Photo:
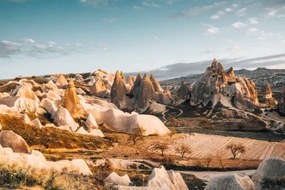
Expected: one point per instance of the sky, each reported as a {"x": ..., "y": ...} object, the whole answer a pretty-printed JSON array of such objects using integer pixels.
[{"x": 40, "y": 37}]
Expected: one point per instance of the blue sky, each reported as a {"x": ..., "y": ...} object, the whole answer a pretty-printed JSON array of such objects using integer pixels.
[{"x": 62, "y": 36}]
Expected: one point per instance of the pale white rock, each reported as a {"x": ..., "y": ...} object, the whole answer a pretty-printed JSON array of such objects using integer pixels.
[
  {"x": 270, "y": 168},
  {"x": 115, "y": 179},
  {"x": 9, "y": 111},
  {"x": 26, "y": 118},
  {"x": 233, "y": 182},
  {"x": 96, "y": 132},
  {"x": 49, "y": 106},
  {"x": 51, "y": 85},
  {"x": 61, "y": 81},
  {"x": 62, "y": 117},
  {"x": 26, "y": 105},
  {"x": 91, "y": 122},
  {"x": 117, "y": 120},
  {"x": 159, "y": 178},
  {"x": 37, "y": 123}
]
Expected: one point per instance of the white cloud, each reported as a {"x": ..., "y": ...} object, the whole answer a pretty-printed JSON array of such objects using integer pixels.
[
  {"x": 241, "y": 12},
  {"x": 206, "y": 50},
  {"x": 276, "y": 12},
  {"x": 260, "y": 34},
  {"x": 227, "y": 10},
  {"x": 209, "y": 29},
  {"x": 96, "y": 2},
  {"x": 194, "y": 11},
  {"x": 215, "y": 17},
  {"x": 239, "y": 25},
  {"x": 30, "y": 47},
  {"x": 253, "y": 20},
  {"x": 110, "y": 20}
]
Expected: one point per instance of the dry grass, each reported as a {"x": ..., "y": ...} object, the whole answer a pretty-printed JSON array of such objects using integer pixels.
[{"x": 50, "y": 137}]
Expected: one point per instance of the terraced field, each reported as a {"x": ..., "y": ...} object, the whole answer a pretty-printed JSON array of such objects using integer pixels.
[{"x": 203, "y": 145}]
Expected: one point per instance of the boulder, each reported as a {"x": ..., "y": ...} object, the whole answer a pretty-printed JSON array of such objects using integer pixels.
[
  {"x": 91, "y": 122},
  {"x": 159, "y": 178},
  {"x": 37, "y": 123},
  {"x": 11, "y": 140},
  {"x": 61, "y": 81},
  {"x": 49, "y": 106},
  {"x": 271, "y": 169},
  {"x": 62, "y": 117},
  {"x": 233, "y": 182},
  {"x": 114, "y": 179}
]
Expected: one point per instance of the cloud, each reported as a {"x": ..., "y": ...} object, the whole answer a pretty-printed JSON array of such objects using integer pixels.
[
  {"x": 221, "y": 13},
  {"x": 153, "y": 4},
  {"x": 194, "y": 11},
  {"x": 206, "y": 50},
  {"x": 278, "y": 12},
  {"x": 260, "y": 34},
  {"x": 14, "y": 1},
  {"x": 209, "y": 29},
  {"x": 239, "y": 25},
  {"x": 253, "y": 20},
  {"x": 30, "y": 47},
  {"x": 241, "y": 12},
  {"x": 97, "y": 3},
  {"x": 110, "y": 20}
]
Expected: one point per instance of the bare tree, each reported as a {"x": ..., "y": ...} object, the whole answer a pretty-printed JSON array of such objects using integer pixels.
[
  {"x": 183, "y": 149},
  {"x": 159, "y": 146},
  {"x": 208, "y": 160},
  {"x": 135, "y": 136},
  {"x": 235, "y": 149},
  {"x": 219, "y": 156}
]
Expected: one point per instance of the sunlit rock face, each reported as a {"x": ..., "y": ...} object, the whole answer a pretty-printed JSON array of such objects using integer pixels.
[
  {"x": 119, "y": 91},
  {"x": 9, "y": 139},
  {"x": 71, "y": 101},
  {"x": 266, "y": 95},
  {"x": 100, "y": 83},
  {"x": 220, "y": 86}
]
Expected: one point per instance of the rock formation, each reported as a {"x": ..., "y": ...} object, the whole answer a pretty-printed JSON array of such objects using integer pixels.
[
  {"x": 145, "y": 92},
  {"x": 217, "y": 85},
  {"x": 71, "y": 101},
  {"x": 61, "y": 81},
  {"x": 234, "y": 182},
  {"x": 11, "y": 140},
  {"x": 155, "y": 84},
  {"x": 114, "y": 179},
  {"x": 119, "y": 91},
  {"x": 159, "y": 178},
  {"x": 183, "y": 93},
  {"x": 269, "y": 169},
  {"x": 281, "y": 104},
  {"x": 266, "y": 97}
]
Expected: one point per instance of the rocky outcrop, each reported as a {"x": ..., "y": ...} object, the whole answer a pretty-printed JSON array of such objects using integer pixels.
[
  {"x": 281, "y": 103},
  {"x": 233, "y": 182},
  {"x": 99, "y": 89},
  {"x": 145, "y": 93},
  {"x": 11, "y": 140},
  {"x": 270, "y": 169},
  {"x": 116, "y": 120},
  {"x": 217, "y": 84},
  {"x": 119, "y": 91},
  {"x": 114, "y": 179},
  {"x": 37, "y": 163},
  {"x": 71, "y": 101},
  {"x": 159, "y": 178},
  {"x": 62, "y": 117},
  {"x": 61, "y": 81},
  {"x": 182, "y": 94},
  {"x": 155, "y": 84},
  {"x": 266, "y": 95}
]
